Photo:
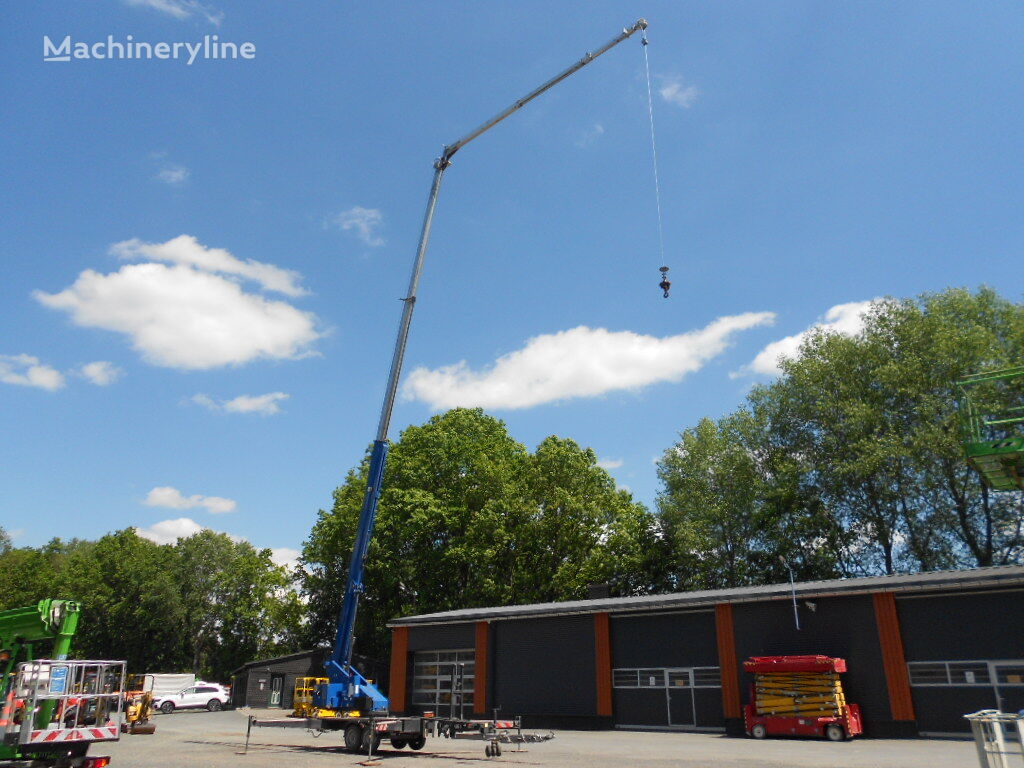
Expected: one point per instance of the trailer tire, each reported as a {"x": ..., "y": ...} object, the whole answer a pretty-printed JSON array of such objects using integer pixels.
[
  {"x": 497, "y": 749},
  {"x": 398, "y": 743},
  {"x": 418, "y": 741},
  {"x": 835, "y": 732},
  {"x": 758, "y": 731},
  {"x": 487, "y": 751},
  {"x": 353, "y": 737},
  {"x": 167, "y": 707}
]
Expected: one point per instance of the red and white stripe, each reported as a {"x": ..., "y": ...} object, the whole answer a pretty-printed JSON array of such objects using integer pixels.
[{"x": 105, "y": 733}]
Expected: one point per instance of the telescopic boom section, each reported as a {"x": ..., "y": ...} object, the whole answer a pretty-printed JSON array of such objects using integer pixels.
[{"x": 348, "y": 689}]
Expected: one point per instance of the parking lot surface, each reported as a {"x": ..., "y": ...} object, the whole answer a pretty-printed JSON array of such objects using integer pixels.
[{"x": 200, "y": 739}]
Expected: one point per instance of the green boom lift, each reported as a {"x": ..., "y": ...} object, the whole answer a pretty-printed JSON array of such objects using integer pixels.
[
  {"x": 991, "y": 407},
  {"x": 48, "y": 620},
  {"x": 46, "y": 703}
]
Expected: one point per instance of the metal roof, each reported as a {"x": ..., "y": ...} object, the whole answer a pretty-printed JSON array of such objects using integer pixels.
[{"x": 974, "y": 578}]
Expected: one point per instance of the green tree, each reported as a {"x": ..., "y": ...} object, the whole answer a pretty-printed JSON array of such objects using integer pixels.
[
  {"x": 236, "y": 603},
  {"x": 876, "y": 414},
  {"x": 30, "y": 574},
  {"x": 469, "y": 517},
  {"x": 736, "y": 507},
  {"x": 131, "y": 607},
  {"x": 851, "y": 459}
]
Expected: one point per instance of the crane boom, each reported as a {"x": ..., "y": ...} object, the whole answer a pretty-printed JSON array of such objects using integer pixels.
[{"x": 348, "y": 689}]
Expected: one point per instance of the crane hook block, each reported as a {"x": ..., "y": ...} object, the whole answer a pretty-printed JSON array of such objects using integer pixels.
[{"x": 665, "y": 285}]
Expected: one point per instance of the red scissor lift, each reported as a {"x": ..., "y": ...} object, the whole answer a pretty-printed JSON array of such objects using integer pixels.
[{"x": 799, "y": 696}]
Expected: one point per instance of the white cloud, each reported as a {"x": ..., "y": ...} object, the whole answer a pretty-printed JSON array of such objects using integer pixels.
[
  {"x": 173, "y": 175},
  {"x": 181, "y": 9},
  {"x": 285, "y": 556},
  {"x": 674, "y": 92},
  {"x": 169, "y": 531},
  {"x": 609, "y": 463},
  {"x": 101, "y": 373},
  {"x": 846, "y": 319},
  {"x": 28, "y": 371},
  {"x": 185, "y": 250},
  {"x": 363, "y": 221},
  {"x": 172, "y": 498},
  {"x": 183, "y": 316},
  {"x": 267, "y": 404},
  {"x": 590, "y": 135},
  {"x": 581, "y": 362}
]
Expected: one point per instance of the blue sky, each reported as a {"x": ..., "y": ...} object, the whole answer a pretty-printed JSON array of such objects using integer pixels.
[{"x": 202, "y": 263}]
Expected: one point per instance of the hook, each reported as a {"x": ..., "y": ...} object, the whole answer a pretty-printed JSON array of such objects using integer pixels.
[{"x": 664, "y": 284}]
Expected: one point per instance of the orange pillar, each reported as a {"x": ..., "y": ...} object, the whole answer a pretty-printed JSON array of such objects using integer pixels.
[
  {"x": 482, "y": 659},
  {"x": 399, "y": 666},
  {"x": 894, "y": 662},
  {"x": 727, "y": 661},
  {"x": 603, "y": 658}
]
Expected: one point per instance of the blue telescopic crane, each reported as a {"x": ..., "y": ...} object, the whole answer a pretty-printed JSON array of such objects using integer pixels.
[{"x": 348, "y": 690}]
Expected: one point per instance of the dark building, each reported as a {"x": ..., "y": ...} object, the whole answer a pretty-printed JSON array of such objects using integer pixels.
[
  {"x": 271, "y": 682},
  {"x": 922, "y": 651}
]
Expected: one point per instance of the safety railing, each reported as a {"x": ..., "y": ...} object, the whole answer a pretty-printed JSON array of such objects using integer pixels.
[
  {"x": 51, "y": 702},
  {"x": 998, "y": 737}
]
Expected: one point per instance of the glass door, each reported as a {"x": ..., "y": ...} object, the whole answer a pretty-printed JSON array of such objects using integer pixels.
[
  {"x": 276, "y": 687},
  {"x": 682, "y": 707}
]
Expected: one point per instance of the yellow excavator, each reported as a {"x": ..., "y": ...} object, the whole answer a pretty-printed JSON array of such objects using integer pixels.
[{"x": 138, "y": 706}]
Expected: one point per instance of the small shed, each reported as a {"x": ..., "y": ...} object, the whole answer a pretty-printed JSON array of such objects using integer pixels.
[{"x": 271, "y": 682}]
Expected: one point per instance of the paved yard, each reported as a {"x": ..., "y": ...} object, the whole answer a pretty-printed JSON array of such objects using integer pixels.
[{"x": 213, "y": 740}]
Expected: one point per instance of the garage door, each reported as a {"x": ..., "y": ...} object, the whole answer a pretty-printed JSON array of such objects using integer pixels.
[
  {"x": 443, "y": 680},
  {"x": 668, "y": 697}
]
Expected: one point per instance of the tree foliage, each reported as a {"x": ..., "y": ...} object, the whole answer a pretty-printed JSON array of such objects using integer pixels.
[
  {"x": 206, "y": 605},
  {"x": 469, "y": 517},
  {"x": 851, "y": 462}
]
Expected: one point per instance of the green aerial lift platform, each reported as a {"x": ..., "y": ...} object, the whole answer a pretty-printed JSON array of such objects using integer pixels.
[
  {"x": 53, "y": 709},
  {"x": 991, "y": 406}
]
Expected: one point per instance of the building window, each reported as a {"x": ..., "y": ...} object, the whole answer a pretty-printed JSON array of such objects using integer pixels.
[
  {"x": 958, "y": 673},
  {"x": 626, "y": 678},
  {"x": 707, "y": 677},
  {"x": 687, "y": 677},
  {"x": 435, "y": 675}
]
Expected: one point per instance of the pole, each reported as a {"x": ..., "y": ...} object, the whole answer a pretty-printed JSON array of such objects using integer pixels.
[{"x": 793, "y": 591}]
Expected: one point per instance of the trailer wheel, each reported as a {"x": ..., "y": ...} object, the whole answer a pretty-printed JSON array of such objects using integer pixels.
[
  {"x": 353, "y": 737},
  {"x": 497, "y": 749},
  {"x": 758, "y": 731},
  {"x": 398, "y": 743},
  {"x": 487, "y": 751},
  {"x": 417, "y": 742},
  {"x": 835, "y": 732}
]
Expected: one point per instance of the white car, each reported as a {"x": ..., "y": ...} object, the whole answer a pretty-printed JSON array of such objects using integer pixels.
[{"x": 211, "y": 696}]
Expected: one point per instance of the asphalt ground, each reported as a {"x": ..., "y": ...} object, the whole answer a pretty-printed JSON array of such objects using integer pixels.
[{"x": 200, "y": 739}]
